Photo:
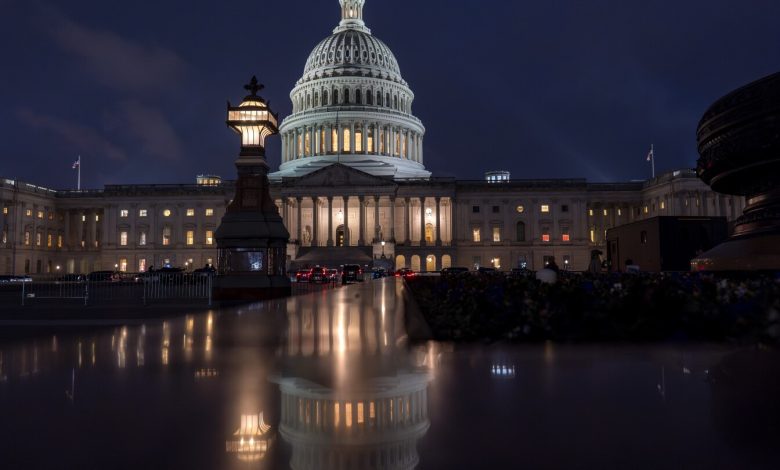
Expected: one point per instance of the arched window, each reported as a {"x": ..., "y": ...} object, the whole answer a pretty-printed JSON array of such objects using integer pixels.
[
  {"x": 395, "y": 102},
  {"x": 346, "y": 95},
  {"x": 308, "y": 101},
  {"x": 325, "y": 98},
  {"x": 316, "y": 99},
  {"x": 358, "y": 97},
  {"x": 370, "y": 140},
  {"x": 335, "y": 97},
  {"x": 387, "y": 99},
  {"x": 379, "y": 98},
  {"x": 521, "y": 231},
  {"x": 369, "y": 98},
  {"x": 400, "y": 262}
]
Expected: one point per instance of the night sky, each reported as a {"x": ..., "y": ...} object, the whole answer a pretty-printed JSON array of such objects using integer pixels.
[{"x": 545, "y": 88}]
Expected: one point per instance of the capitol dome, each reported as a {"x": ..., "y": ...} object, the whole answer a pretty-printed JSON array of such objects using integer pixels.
[
  {"x": 352, "y": 52},
  {"x": 352, "y": 106}
]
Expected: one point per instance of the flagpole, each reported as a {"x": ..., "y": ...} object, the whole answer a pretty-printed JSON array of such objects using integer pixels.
[
  {"x": 652, "y": 160},
  {"x": 78, "y": 182}
]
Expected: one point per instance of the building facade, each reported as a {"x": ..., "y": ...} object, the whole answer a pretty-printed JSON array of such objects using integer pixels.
[{"x": 352, "y": 187}]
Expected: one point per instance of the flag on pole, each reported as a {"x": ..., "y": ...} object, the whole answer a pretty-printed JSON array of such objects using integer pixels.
[
  {"x": 650, "y": 155},
  {"x": 77, "y": 163},
  {"x": 651, "y": 159}
]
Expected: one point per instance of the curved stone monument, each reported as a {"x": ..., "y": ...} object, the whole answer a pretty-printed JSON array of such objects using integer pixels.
[{"x": 739, "y": 147}]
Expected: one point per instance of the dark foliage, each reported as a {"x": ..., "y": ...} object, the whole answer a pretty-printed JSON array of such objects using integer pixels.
[{"x": 581, "y": 307}]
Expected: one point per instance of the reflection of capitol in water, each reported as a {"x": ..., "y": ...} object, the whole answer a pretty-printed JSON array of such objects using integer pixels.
[{"x": 351, "y": 396}]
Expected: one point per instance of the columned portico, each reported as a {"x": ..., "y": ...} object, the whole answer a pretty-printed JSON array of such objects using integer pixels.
[
  {"x": 438, "y": 221},
  {"x": 377, "y": 225}
]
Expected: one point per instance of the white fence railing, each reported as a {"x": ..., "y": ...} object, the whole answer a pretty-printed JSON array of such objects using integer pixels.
[{"x": 108, "y": 287}]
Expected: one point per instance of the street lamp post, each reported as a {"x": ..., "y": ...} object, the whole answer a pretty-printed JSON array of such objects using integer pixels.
[{"x": 252, "y": 239}]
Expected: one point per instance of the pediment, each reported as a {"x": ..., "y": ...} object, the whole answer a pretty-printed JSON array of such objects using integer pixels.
[{"x": 337, "y": 174}]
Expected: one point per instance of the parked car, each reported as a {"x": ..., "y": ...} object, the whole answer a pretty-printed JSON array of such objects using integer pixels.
[
  {"x": 14, "y": 279},
  {"x": 405, "y": 273},
  {"x": 303, "y": 275},
  {"x": 378, "y": 273},
  {"x": 318, "y": 275},
  {"x": 454, "y": 271},
  {"x": 103, "y": 276},
  {"x": 351, "y": 273}
]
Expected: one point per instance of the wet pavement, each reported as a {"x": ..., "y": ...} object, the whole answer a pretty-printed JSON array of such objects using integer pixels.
[{"x": 328, "y": 380}]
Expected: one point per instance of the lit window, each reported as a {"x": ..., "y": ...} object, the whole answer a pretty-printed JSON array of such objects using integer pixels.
[
  {"x": 167, "y": 213},
  {"x": 590, "y": 212},
  {"x": 209, "y": 237},
  {"x": 40, "y": 214},
  {"x": 142, "y": 213},
  {"x": 190, "y": 237},
  {"x": 566, "y": 237},
  {"x": 606, "y": 212},
  {"x": 476, "y": 235},
  {"x": 620, "y": 212},
  {"x": 190, "y": 212},
  {"x": 166, "y": 236},
  {"x": 334, "y": 141},
  {"x": 124, "y": 213},
  {"x": 663, "y": 205},
  {"x": 496, "y": 262},
  {"x": 5, "y": 211},
  {"x": 51, "y": 215},
  {"x": 37, "y": 239},
  {"x": 545, "y": 208},
  {"x": 358, "y": 141},
  {"x": 546, "y": 237},
  {"x": 496, "y": 234},
  {"x": 123, "y": 265},
  {"x": 97, "y": 218},
  {"x": 142, "y": 239},
  {"x": 209, "y": 212},
  {"x": 59, "y": 241},
  {"x": 122, "y": 238},
  {"x": 592, "y": 236},
  {"x": 209, "y": 261},
  {"x": 647, "y": 209},
  {"x": 83, "y": 218},
  {"x": 142, "y": 265},
  {"x": 27, "y": 238},
  {"x": 360, "y": 413},
  {"x": 520, "y": 209},
  {"x": 28, "y": 212},
  {"x": 346, "y": 144},
  {"x": 49, "y": 240}
]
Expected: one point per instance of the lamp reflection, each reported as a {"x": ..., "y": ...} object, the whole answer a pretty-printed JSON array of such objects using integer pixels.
[{"x": 250, "y": 441}]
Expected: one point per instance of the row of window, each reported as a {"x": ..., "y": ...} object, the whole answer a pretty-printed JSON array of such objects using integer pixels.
[
  {"x": 544, "y": 208},
  {"x": 347, "y": 97},
  {"x": 123, "y": 213},
  {"x": 380, "y": 142},
  {"x": 476, "y": 234},
  {"x": 189, "y": 237}
]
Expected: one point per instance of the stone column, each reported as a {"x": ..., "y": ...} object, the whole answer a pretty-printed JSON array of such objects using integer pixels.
[
  {"x": 345, "y": 200},
  {"x": 315, "y": 221},
  {"x": 392, "y": 219},
  {"x": 364, "y": 136},
  {"x": 377, "y": 227},
  {"x": 330, "y": 220},
  {"x": 362, "y": 220},
  {"x": 299, "y": 228},
  {"x": 422, "y": 221},
  {"x": 453, "y": 221},
  {"x": 286, "y": 215},
  {"x": 407, "y": 224},
  {"x": 438, "y": 221}
]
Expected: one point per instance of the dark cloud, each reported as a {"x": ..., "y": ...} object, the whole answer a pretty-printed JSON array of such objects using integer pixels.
[
  {"x": 83, "y": 138},
  {"x": 150, "y": 128},
  {"x": 115, "y": 61}
]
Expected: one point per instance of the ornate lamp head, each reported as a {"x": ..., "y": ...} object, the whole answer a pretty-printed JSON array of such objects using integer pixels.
[{"x": 253, "y": 120}]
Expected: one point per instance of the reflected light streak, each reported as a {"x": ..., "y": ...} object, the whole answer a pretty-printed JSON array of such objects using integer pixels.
[{"x": 79, "y": 353}]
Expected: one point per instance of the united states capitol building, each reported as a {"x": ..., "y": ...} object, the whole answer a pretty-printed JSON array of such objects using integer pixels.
[{"x": 352, "y": 187}]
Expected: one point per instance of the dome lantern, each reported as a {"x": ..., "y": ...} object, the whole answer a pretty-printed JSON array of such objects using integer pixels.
[{"x": 352, "y": 16}]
